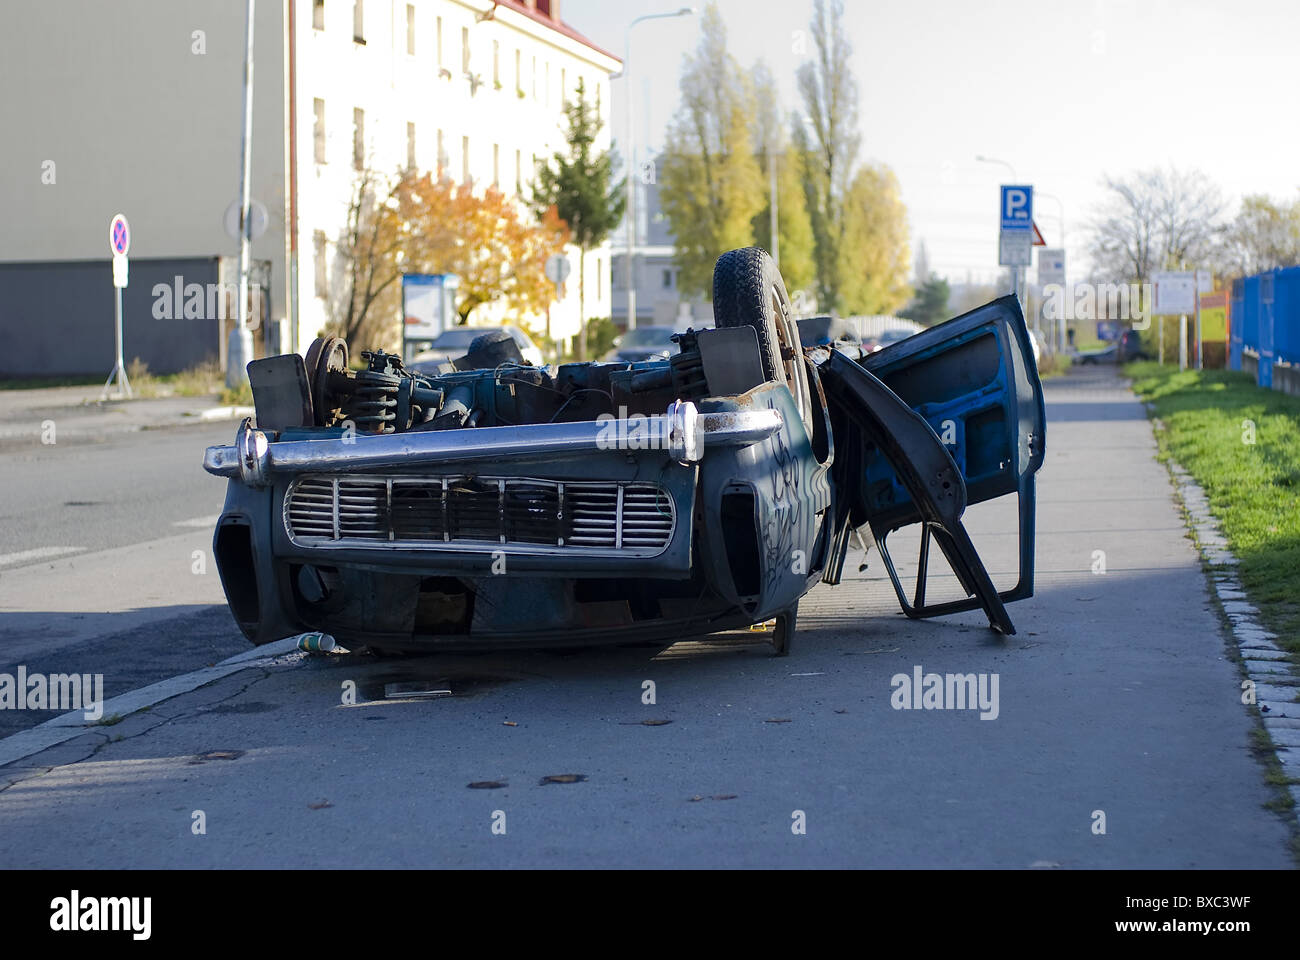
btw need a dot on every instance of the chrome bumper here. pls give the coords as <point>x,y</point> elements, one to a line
<point>682,432</point>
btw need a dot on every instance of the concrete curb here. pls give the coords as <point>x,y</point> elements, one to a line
<point>1268,667</point>
<point>68,726</point>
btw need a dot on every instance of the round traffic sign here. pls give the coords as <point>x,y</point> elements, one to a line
<point>557,268</point>
<point>257,219</point>
<point>119,235</point>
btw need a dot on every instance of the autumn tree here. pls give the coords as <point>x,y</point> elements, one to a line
<point>366,296</point>
<point>1156,219</point>
<point>828,143</point>
<point>497,253</point>
<point>874,257</point>
<point>417,224</point>
<point>577,186</point>
<point>1264,235</point>
<point>771,146</point>
<point>710,185</point>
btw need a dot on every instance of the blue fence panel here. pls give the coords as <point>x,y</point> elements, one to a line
<point>1236,312</point>
<point>1286,315</point>
<point>1236,316</point>
<point>1266,285</point>
<point>1250,314</point>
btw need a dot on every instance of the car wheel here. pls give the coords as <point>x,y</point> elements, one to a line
<point>748,292</point>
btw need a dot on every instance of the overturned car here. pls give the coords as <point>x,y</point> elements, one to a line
<point>489,502</point>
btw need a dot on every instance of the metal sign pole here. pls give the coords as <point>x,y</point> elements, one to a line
<point>119,243</point>
<point>119,368</point>
<point>241,338</point>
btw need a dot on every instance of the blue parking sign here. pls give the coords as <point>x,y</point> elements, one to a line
<point>1017,211</point>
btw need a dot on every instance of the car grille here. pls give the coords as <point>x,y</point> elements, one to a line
<point>631,518</point>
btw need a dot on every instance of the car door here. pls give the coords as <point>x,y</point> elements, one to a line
<point>950,416</point>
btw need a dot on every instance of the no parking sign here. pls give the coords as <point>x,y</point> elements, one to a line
<point>119,241</point>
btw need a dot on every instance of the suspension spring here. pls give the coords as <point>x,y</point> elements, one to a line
<point>373,407</point>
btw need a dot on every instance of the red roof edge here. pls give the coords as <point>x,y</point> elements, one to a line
<point>518,6</point>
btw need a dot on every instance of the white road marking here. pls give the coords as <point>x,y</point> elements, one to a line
<point>40,553</point>
<point>198,522</point>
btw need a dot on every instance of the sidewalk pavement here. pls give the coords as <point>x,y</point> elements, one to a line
<point>78,413</point>
<point>1120,739</point>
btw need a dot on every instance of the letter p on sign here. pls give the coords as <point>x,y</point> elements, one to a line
<point>1017,207</point>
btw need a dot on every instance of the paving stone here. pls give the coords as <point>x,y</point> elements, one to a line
<point>1268,670</point>
<point>1264,654</point>
<point>1288,737</point>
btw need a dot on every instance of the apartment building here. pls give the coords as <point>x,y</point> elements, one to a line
<point>136,107</point>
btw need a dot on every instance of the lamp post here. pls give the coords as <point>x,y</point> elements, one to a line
<point>1060,218</point>
<point>632,172</point>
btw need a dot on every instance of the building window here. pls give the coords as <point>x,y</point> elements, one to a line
<point>598,104</point>
<point>546,84</point>
<point>464,160</point>
<point>410,29</point>
<point>668,279</point>
<point>318,261</point>
<point>519,76</point>
<point>358,22</point>
<point>534,78</point>
<point>410,145</point>
<point>519,173</point>
<point>439,42</point>
<point>318,15</point>
<point>318,128</point>
<point>358,138</point>
<point>496,165</point>
<point>442,157</point>
<point>562,86</point>
<point>464,49</point>
<point>496,64</point>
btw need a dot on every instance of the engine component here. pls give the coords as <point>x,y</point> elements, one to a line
<point>489,350</point>
<point>327,362</point>
<point>688,367</point>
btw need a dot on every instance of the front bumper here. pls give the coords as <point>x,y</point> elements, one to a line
<point>681,432</point>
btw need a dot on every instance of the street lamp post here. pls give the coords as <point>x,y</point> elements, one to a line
<point>632,172</point>
<point>241,338</point>
<point>1060,217</point>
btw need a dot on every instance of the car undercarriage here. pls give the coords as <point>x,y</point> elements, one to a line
<point>489,502</point>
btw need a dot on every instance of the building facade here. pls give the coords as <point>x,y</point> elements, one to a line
<point>659,301</point>
<point>135,107</point>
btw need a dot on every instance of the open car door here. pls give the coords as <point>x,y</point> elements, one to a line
<point>951,416</point>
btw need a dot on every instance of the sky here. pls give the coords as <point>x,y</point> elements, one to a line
<point>1065,91</point>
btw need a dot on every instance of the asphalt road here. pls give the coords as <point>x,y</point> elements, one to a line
<point>128,488</point>
<point>97,558</point>
<point>1119,738</point>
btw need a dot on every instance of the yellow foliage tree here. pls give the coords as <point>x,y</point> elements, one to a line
<point>486,240</point>
<point>875,259</point>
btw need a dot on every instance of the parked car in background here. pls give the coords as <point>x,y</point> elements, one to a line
<point>454,343</point>
<point>1130,347</point>
<point>643,343</point>
<point>873,344</point>
<point>827,332</point>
